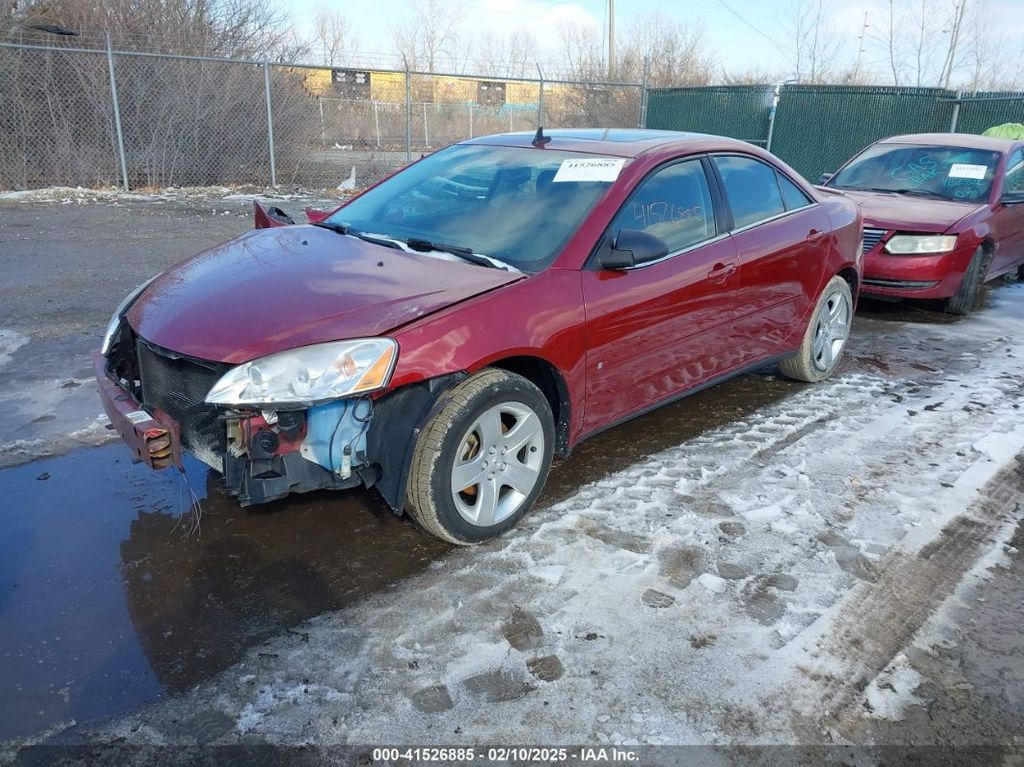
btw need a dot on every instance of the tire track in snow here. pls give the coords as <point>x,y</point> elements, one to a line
<point>679,600</point>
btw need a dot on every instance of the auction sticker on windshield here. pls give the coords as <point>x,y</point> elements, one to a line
<point>966,170</point>
<point>589,169</point>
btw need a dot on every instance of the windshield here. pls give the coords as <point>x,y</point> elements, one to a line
<point>947,172</point>
<point>510,203</point>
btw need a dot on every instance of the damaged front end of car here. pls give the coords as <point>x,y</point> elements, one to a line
<point>312,418</point>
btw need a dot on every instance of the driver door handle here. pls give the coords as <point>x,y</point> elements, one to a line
<point>721,271</point>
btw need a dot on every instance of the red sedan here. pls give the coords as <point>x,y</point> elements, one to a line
<point>943,213</point>
<point>442,335</point>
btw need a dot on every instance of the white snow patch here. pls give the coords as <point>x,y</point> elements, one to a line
<point>10,342</point>
<point>763,514</point>
<point>713,583</point>
<point>893,690</point>
<point>550,573</point>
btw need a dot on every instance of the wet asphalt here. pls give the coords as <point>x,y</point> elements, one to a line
<point>108,601</point>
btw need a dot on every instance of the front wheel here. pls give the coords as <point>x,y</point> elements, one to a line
<point>480,464</point>
<point>825,337</point>
<point>969,292</point>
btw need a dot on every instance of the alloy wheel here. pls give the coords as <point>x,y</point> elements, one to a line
<point>498,463</point>
<point>832,330</point>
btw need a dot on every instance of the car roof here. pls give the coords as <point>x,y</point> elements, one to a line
<point>964,140</point>
<point>617,142</point>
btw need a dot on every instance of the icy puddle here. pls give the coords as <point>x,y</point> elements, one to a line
<point>105,604</point>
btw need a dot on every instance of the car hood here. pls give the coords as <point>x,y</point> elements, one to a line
<point>276,289</point>
<point>915,214</point>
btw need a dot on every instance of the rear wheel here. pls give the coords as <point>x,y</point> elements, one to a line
<point>480,464</point>
<point>825,337</point>
<point>966,297</point>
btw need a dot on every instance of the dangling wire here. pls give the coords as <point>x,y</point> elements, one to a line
<point>195,512</point>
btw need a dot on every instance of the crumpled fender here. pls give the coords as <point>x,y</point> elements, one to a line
<point>398,418</point>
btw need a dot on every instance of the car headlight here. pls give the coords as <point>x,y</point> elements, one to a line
<point>309,375</point>
<point>914,244</point>
<point>108,336</point>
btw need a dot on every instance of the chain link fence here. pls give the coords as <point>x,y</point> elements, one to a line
<point>93,117</point>
<point>815,128</point>
<point>96,117</point>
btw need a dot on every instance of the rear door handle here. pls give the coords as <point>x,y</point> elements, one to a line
<point>721,271</point>
<point>813,235</point>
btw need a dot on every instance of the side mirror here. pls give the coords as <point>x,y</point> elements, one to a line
<point>824,178</point>
<point>633,247</point>
<point>1012,198</point>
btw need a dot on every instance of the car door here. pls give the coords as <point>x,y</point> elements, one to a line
<point>780,235</point>
<point>1008,220</point>
<point>661,327</point>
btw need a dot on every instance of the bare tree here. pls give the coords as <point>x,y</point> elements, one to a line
<point>582,52</point>
<point>956,22</point>
<point>183,121</point>
<point>233,28</point>
<point>750,77</point>
<point>893,41</point>
<point>334,38</point>
<point>671,53</point>
<point>814,44</point>
<point>922,47</point>
<point>429,34</point>
<point>511,55</point>
<point>986,52</point>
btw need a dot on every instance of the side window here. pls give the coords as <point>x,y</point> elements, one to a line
<point>792,195</point>
<point>751,188</point>
<point>1014,181</point>
<point>674,204</point>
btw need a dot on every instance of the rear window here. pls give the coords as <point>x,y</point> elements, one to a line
<point>792,195</point>
<point>944,172</point>
<point>752,189</point>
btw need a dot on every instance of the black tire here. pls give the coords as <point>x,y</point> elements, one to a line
<point>966,298</point>
<point>447,443</point>
<point>812,362</point>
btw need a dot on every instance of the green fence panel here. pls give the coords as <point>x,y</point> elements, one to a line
<point>739,111</point>
<point>989,110</point>
<point>819,127</point>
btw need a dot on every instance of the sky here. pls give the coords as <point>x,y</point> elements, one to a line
<point>738,32</point>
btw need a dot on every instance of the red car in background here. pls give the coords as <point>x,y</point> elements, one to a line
<point>943,213</point>
<point>442,335</point>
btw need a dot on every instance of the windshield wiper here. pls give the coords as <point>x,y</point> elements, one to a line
<point>346,229</point>
<point>465,254</point>
<point>867,189</point>
<point>921,193</point>
<point>339,228</point>
<point>911,192</point>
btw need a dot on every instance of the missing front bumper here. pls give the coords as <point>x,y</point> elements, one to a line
<point>154,438</point>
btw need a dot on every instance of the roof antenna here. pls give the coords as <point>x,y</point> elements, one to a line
<point>539,139</point>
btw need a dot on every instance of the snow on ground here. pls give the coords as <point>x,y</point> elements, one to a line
<point>755,584</point>
<point>10,342</point>
<point>66,195</point>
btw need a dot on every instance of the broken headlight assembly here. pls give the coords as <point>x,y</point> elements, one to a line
<point>307,376</point>
<point>115,321</point>
<point>920,244</point>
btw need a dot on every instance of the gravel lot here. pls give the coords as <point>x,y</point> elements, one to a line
<point>763,563</point>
